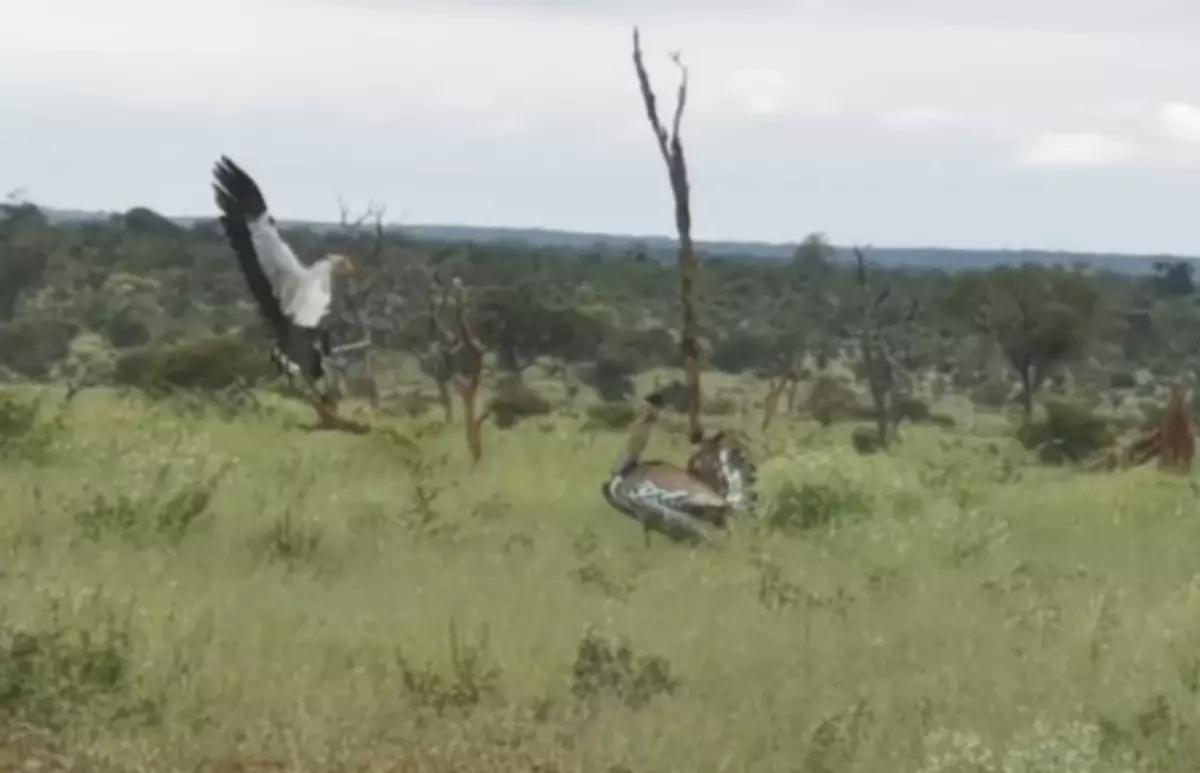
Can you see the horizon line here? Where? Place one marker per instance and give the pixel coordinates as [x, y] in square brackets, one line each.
[674, 239]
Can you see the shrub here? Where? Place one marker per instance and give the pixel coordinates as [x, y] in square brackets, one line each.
[47, 674]
[207, 364]
[610, 416]
[609, 668]
[832, 399]
[1067, 433]
[31, 347]
[515, 400]
[803, 506]
[24, 433]
[610, 376]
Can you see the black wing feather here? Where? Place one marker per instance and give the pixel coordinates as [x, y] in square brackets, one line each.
[240, 201]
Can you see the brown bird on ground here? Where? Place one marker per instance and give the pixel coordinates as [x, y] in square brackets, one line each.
[677, 502]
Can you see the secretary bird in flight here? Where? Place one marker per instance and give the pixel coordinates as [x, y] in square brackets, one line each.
[293, 299]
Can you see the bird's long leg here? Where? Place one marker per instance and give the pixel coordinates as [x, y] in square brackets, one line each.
[646, 535]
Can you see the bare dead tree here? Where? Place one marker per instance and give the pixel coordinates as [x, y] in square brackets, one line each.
[671, 147]
[437, 361]
[1178, 444]
[366, 233]
[403, 298]
[788, 381]
[461, 355]
[705, 459]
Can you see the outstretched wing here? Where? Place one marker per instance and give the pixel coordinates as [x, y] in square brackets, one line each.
[275, 278]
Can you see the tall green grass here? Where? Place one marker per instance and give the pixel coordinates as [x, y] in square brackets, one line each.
[184, 591]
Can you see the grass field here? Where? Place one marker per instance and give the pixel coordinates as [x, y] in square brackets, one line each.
[191, 592]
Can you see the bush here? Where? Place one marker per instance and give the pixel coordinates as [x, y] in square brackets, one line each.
[720, 405]
[832, 399]
[801, 507]
[31, 347]
[1067, 433]
[51, 673]
[865, 440]
[24, 433]
[611, 378]
[208, 364]
[515, 400]
[612, 416]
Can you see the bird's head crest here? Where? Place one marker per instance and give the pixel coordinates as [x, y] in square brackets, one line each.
[341, 263]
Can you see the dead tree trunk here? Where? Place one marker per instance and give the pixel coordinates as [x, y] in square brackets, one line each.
[671, 148]
[706, 459]
[461, 354]
[787, 381]
[1178, 445]
[432, 365]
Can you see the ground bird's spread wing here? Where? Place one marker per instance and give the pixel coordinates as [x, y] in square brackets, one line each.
[671, 494]
[654, 508]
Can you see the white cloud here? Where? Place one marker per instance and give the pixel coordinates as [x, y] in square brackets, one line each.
[1125, 107]
[1075, 151]
[487, 116]
[758, 91]
[920, 118]
[1179, 121]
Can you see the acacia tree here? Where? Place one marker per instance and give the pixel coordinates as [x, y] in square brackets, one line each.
[520, 323]
[1039, 316]
[807, 313]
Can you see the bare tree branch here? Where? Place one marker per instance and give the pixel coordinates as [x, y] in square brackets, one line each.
[457, 356]
[671, 148]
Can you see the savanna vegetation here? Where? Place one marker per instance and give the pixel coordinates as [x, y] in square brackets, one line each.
[935, 580]
[960, 561]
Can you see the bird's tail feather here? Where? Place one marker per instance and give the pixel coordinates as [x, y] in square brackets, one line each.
[285, 364]
[741, 476]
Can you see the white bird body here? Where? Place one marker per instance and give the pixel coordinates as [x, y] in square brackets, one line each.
[304, 292]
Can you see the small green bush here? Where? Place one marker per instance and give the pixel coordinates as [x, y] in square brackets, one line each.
[31, 347]
[515, 400]
[1067, 433]
[207, 364]
[610, 416]
[25, 434]
[801, 507]
[49, 674]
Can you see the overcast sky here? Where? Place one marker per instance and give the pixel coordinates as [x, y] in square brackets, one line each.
[1070, 124]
